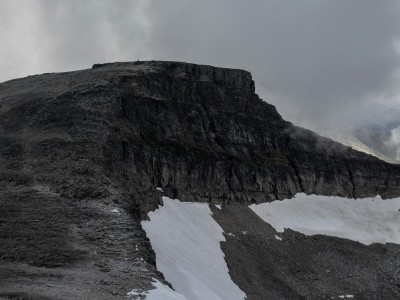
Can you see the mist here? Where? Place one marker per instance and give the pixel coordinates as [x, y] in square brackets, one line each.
[323, 64]
[394, 141]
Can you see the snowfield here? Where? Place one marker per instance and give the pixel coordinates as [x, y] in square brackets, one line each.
[367, 220]
[186, 240]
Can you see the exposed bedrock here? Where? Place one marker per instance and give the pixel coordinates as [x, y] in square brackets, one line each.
[81, 155]
[199, 132]
[290, 265]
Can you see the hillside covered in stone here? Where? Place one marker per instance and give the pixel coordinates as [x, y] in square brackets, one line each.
[82, 153]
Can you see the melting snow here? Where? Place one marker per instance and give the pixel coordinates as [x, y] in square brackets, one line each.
[367, 220]
[161, 292]
[186, 240]
[134, 293]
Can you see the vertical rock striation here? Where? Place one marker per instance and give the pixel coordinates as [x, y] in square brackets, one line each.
[199, 132]
[80, 152]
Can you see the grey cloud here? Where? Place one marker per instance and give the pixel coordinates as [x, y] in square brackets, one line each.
[321, 62]
[54, 35]
[315, 60]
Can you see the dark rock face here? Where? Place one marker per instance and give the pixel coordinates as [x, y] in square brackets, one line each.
[297, 266]
[75, 145]
[202, 134]
[199, 132]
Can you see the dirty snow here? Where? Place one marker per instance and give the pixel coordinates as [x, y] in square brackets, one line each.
[161, 292]
[134, 293]
[186, 240]
[367, 220]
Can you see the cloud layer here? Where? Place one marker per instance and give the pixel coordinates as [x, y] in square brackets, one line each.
[322, 63]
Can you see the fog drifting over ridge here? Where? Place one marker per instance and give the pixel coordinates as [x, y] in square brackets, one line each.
[321, 63]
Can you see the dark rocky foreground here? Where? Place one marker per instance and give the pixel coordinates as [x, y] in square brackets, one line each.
[81, 154]
[304, 267]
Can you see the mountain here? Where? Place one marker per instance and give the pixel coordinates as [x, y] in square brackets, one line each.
[86, 156]
[382, 142]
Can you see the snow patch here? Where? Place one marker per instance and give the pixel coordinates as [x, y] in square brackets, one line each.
[134, 293]
[367, 220]
[186, 240]
[161, 292]
[218, 206]
[160, 190]
[278, 237]
[115, 210]
[346, 296]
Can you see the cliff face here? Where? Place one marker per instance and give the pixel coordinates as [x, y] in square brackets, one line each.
[203, 134]
[80, 152]
[199, 132]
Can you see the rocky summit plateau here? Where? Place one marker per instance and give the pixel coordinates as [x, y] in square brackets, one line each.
[88, 157]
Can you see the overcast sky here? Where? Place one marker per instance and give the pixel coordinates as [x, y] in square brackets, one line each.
[322, 63]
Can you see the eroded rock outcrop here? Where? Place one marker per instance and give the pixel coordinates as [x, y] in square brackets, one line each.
[199, 132]
[75, 146]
